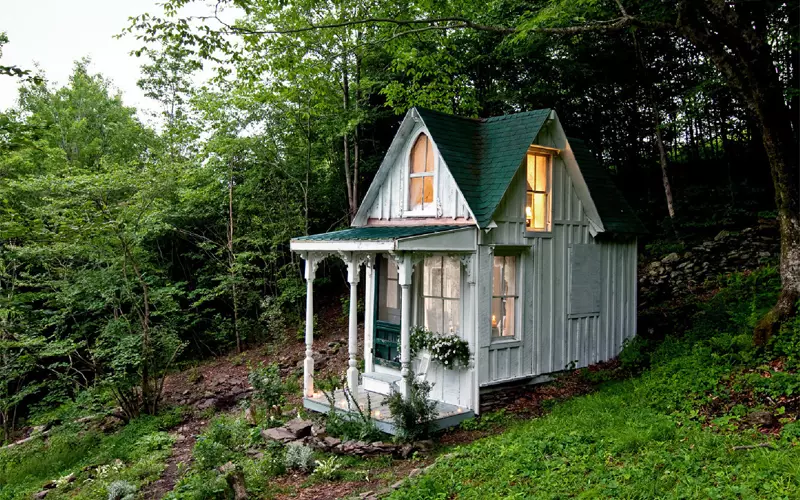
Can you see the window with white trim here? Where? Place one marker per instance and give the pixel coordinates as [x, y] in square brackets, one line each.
[505, 298]
[421, 163]
[441, 292]
[537, 202]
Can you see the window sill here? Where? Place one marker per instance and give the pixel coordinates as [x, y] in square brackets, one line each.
[504, 341]
[538, 234]
[419, 215]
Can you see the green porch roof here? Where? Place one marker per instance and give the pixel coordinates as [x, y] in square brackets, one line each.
[483, 155]
[377, 233]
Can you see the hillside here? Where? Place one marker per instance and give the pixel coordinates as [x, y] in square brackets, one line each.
[691, 409]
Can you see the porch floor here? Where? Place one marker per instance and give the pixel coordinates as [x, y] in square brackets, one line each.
[449, 415]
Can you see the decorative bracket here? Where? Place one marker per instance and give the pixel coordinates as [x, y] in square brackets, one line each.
[312, 261]
[466, 261]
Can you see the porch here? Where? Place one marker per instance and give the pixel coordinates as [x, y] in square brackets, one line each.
[389, 256]
[449, 415]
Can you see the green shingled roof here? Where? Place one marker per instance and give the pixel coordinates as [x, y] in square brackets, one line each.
[615, 213]
[483, 155]
[377, 233]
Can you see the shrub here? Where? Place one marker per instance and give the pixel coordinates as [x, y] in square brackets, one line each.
[267, 384]
[635, 354]
[357, 424]
[299, 457]
[413, 417]
[121, 490]
[327, 469]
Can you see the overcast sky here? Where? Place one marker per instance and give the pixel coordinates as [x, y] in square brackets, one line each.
[56, 33]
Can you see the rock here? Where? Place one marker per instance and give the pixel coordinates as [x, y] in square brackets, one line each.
[415, 472]
[331, 442]
[761, 418]
[41, 494]
[206, 403]
[406, 451]
[278, 434]
[425, 445]
[722, 235]
[332, 344]
[185, 393]
[366, 494]
[669, 259]
[397, 485]
[250, 416]
[299, 428]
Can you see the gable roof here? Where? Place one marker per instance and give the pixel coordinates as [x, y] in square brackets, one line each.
[614, 211]
[483, 155]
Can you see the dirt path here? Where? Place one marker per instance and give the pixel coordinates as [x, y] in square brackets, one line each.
[181, 453]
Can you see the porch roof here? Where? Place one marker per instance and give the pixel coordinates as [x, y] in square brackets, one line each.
[386, 238]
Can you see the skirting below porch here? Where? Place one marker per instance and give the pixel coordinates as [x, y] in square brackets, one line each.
[448, 415]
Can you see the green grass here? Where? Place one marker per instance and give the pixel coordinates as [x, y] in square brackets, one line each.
[650, 436]
[137, 453]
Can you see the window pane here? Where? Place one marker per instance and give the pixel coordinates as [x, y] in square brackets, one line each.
[418, 153]
[510, 276]
[539, 210]
[391, 293]
[432, 279]
[530, 172]
[497, 276]
[497, 317]
[430, 157]
[427, 196]
[508, 318]
[433, 314]
[451, 285]
[541, 173]
[529, 211]
[451, 316]
[415, 193]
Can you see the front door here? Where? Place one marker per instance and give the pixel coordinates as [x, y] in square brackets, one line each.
[386, 344]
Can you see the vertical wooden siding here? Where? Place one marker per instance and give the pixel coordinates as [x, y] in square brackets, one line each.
[390, 199]
[552, 339]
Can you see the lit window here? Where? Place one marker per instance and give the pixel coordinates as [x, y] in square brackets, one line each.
[441, 289]
[420, 184]
[536, 206]
[504, 296]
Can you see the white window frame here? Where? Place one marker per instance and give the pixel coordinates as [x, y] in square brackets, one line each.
[458, 300]
[518, 297]
[431, 210]
[548, 226]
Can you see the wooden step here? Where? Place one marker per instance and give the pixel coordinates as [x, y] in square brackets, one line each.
[382, 383]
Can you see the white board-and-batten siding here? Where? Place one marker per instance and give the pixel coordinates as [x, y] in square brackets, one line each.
[390, 200]
[567, 321]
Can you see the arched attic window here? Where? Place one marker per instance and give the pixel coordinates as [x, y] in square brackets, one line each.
[421, 175]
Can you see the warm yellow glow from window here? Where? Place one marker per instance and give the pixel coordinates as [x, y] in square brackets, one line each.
[421, 166]
[536, 204]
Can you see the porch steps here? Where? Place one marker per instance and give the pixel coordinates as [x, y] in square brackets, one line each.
[381, 383]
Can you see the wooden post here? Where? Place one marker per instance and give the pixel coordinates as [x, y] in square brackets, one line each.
[369, 313]
[404, 276]
[352, 278]
[308, 364]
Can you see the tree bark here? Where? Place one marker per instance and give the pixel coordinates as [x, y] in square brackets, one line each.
[232, 263]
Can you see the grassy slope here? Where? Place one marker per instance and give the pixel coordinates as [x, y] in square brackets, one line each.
[652, 436]
[142, 447]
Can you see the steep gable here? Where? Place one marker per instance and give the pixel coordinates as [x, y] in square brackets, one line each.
[483, 155]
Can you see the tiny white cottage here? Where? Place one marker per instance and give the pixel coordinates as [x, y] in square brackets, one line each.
[501, 231]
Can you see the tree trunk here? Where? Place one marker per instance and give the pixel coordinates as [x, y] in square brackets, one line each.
[348, 179]
[232, 264]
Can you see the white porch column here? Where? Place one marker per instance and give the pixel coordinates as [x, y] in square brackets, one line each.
[352, 278]
[369, 313]
[404, 278]
[308, 364]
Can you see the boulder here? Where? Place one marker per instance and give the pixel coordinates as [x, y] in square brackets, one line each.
[761, 418]
[299, 428]
[669, 259]
[278, 434]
